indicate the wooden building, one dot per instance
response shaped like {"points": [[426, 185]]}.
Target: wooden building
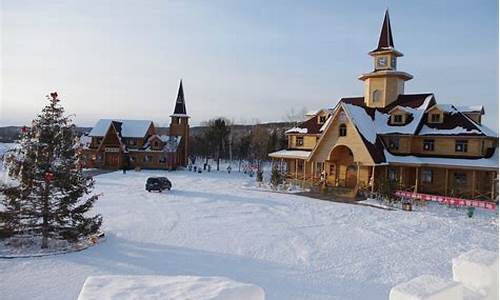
{"points": [[117, 144], [386, 135]]}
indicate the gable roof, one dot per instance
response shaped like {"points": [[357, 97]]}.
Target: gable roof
{"points": [[126, 128]]}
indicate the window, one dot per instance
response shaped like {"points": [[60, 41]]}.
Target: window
{"points": [[299, 141], [397, 119], [322, 119], [147, 158], [376, 96], [461, 146], [460, 179], [394, 143], [300, 166], [427, 176], [392, 174], [342, 130], [163, 159], [435, 118], [428, 145], [131, 142]]}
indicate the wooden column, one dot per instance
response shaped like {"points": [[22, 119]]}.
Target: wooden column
{"points": [[304, 170], [416, 180], [372, 179], [400, 177], [312, 170], [493, 179], [296, 168], [473, 183], [357, 174], [446, 182]]}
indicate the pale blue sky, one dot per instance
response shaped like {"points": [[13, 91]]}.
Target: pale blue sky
{"points": [[246, 60]]}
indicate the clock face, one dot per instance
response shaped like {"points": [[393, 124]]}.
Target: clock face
{"points": [[381, 62]]}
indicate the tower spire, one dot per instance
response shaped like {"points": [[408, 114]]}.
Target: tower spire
{"points": [[385, 40], [180, 105]]}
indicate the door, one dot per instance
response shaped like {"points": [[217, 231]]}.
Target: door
{"points": [[351, 176]]}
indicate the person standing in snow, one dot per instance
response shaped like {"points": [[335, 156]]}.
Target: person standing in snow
{"points": [[229, 169]]}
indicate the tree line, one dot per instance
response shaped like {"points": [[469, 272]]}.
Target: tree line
{"points": [[221, 140]]}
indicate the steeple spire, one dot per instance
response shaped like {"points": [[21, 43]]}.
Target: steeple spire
{"points": [[385, 41], [180, 105]]}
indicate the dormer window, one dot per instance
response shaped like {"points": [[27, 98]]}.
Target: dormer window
{"points": [[299, 141], [322, 119], [342, 130], [397, 119], [394, 143], [461, 146], [435, 118]]}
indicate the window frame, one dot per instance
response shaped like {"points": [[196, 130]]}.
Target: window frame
{"points": [[438, 118], [428, 141], [394, 143], [299, 141], [399, 116], [343, 129], [427, 176], [463, 146]]}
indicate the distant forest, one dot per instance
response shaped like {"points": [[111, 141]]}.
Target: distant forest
{"points": [[216, 138]]}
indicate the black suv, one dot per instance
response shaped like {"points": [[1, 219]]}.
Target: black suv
{"points": [[158, 184]]}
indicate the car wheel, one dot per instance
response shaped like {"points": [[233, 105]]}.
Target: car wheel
{"points": [[149, 191]]}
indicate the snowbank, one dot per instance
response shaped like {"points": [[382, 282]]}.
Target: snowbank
{"points": [[168, 287], [427, 287], [478, 271]]}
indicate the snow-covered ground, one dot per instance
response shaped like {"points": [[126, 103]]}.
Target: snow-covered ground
{"points": [[218, 224]]}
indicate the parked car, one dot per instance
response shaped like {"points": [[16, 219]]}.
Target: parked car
{"points": [[158, 184]]}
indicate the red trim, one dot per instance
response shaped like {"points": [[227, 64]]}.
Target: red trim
{"points": [[448, 200]]}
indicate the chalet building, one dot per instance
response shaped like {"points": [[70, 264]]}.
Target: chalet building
{"points": [[116, 144], [386, 135]]}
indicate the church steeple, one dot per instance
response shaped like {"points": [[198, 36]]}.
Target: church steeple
{"points": [[385, 40], [180, 105], [384, 84]]}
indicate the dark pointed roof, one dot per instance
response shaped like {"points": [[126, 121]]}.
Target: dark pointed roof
{"points": [[385, 41], [180, 105]]}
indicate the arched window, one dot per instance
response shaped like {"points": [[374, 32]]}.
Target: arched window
{"points": [[376, 96], [342, 130]]}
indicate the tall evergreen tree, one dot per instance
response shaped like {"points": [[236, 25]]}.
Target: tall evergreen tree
{"points": [[51, 195]]}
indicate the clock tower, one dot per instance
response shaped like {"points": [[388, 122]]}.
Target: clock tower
{"points": [[384, 84]]}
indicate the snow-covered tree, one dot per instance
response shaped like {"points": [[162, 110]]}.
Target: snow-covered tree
{"points": [[50, 196]]}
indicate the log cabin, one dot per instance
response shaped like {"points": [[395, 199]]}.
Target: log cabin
{"points": [[118, 144], [385, 135]]}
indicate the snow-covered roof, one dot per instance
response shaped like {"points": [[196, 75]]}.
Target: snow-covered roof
{"points": [[459, 130], [180, 115], [297, 130], [490, 163], [300, 154], [470, 108], [129, 128], [85, 141]]}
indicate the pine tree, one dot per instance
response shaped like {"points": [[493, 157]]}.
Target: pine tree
{"points": [[51, 195]]}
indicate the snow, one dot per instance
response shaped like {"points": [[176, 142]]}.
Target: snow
{"points": [[469, 108], [301, 154], [491, 162], [369, 128], [297, 130], [427, 287], [426, 130], [294, 247], [381, 120], [130, 128], [362, 121], [327, 123], [478, 271], [168, 287]]}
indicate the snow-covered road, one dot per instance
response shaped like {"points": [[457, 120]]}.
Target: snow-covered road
{"points": [[215, 224]]}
